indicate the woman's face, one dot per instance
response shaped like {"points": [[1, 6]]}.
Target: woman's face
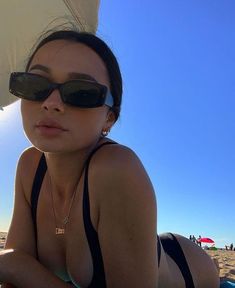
{"points": [[53, 126]]}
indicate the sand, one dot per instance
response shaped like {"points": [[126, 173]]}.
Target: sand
{"points": [[3, 236], [226, 262]]}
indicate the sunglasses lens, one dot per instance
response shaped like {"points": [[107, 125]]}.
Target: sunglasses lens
{"points": [[29, 86], [83, 94], [78, 93]]}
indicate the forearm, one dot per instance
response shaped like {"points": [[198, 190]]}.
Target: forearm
{"points": [[23, 271]]}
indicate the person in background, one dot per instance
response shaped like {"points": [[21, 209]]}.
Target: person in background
{"points": [[198, 241]]}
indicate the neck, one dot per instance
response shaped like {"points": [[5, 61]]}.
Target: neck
{"points": [[65, 170]]}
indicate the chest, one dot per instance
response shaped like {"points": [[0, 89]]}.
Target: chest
{"points": [[66, 255]]}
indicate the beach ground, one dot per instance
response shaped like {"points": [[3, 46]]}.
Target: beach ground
{"points": [[3, 236], [226, 263]]}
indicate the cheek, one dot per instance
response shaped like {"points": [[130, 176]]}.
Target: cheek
{"points": [[93, 118], [26, 107], [24, 112], [28, 113], [90, 123], [30, 108]]}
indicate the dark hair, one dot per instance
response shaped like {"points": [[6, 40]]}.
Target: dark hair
{"points": [[104, 52]]}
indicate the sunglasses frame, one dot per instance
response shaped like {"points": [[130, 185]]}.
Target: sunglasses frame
{"points": [[106, 97]]}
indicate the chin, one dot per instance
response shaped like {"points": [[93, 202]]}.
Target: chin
{"points": [[47, 146]]}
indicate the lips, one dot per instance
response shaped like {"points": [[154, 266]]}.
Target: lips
{"points": [[50, 124], [49, 128]]}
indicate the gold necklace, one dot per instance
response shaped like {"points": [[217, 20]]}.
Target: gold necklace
{"points": [[60, 231]]}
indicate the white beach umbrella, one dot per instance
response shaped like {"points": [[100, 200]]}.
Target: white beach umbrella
{"points": [[23, 21]]}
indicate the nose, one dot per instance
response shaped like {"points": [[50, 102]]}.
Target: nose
{"points": [[53, 102]]}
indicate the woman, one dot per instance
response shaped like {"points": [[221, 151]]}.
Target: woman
{"points": [[85, 210]]}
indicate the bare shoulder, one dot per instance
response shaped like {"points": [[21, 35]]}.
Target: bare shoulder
{"points": [[117, 169], [26, 167], [113, 158], [29, 154], [126, 217], [21, 219]]}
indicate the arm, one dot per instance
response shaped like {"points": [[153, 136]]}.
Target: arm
{"points": [[18, 265], [21, 219], [127, 222], [24, 271]]}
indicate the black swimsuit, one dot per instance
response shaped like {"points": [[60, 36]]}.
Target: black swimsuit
{"points": [[98, 278], [169, 242], [172, 247]]}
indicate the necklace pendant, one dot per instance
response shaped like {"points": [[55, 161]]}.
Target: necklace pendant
{"points": [[59, 231], [66, 220]]}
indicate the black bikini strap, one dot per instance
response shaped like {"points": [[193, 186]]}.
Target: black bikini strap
{"points": [[158, 250], [92, 236], [37, 183], [38, 179], [172, 247]]}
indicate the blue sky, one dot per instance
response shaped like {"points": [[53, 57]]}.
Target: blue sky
{"points": [[178, 64]]}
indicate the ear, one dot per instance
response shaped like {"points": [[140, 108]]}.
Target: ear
{"points": [[110, 119]]}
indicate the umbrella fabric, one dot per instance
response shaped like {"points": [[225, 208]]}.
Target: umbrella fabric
{"points": [[205, 240], [22, 22]]}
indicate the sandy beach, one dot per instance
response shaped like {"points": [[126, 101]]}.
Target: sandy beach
{"points": [[3, 236], [226, 262], [224, 258]]}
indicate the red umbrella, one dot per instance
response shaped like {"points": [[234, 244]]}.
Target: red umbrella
{"points": [[205, 240]]}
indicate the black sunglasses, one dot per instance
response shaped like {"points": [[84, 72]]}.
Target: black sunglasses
{"points": [[78, 93]]}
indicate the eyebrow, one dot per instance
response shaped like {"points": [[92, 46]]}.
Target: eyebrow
{"points": [[40, 67], [72, 75], [75, 75]]}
